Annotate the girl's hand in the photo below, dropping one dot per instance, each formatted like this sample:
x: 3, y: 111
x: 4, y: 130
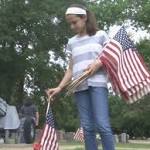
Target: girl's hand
x: 92, y: 68
x: 53, y: 91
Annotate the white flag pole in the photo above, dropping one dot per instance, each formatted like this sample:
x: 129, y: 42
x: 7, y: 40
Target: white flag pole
x: 49, y: 100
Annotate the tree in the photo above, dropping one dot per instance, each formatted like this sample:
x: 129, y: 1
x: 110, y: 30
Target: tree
x: 33, y: 35
x: 29, y: 31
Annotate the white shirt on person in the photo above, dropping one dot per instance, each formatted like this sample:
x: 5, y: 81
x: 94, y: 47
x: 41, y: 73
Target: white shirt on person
x: 84, y: 50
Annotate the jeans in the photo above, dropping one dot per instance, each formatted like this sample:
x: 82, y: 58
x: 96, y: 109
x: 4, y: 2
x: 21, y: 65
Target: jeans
x: 92, y: 106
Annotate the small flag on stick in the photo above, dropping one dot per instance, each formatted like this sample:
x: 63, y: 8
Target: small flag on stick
x: 79, y: 136
x: 48, y: 139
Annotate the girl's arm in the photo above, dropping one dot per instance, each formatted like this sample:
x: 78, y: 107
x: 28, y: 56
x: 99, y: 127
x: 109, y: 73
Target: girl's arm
x: 93, y: 67
x: 67, y: 77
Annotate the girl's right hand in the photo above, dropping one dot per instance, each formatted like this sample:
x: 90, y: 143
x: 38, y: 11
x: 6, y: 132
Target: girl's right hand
x: 53, y: 91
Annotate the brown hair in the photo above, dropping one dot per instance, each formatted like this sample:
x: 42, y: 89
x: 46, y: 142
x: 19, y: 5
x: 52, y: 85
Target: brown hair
x: 91, y: 25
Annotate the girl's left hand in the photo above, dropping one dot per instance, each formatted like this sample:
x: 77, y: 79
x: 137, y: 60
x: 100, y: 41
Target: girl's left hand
x: 92, y: 68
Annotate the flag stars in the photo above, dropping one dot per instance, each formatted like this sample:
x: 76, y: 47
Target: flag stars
x: 49, y: 119
x: 123, y: 39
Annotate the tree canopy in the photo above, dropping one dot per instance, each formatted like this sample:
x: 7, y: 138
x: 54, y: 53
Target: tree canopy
x: 33, y: 36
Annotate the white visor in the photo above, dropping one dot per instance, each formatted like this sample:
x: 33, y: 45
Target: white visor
x: 75, y: 11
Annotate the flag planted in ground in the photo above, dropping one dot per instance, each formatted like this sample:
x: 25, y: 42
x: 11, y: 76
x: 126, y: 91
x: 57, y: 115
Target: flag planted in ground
x: 79, y: 136
x: 48, y: 139
x: 128, y: 73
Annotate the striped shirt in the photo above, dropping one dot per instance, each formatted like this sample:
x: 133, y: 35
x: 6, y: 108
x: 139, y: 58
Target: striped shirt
x: 84, y: 50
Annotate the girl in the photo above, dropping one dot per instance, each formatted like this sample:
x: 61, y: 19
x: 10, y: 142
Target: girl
x: 92, y: 95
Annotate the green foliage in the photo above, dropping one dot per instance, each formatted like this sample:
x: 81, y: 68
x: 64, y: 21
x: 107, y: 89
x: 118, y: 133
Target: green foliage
x: 133, y: 118
x: 33, y: 35
x: 143, y: 47
x: 67, y: 117
x: 141, y: 16
x: 112, y: 12
x: 109, y: 12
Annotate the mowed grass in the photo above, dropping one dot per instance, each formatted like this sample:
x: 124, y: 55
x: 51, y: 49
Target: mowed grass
x: 79, y: 146
x: 63, y: 145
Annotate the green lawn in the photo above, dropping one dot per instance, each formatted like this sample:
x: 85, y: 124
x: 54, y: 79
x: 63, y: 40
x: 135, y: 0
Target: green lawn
x: 79, y: 146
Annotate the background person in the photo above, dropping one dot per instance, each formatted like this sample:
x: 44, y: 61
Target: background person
x: 29, y: 120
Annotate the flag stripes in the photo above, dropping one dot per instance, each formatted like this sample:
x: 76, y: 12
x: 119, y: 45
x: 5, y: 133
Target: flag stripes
x: 48, y: 139
x: 79, y: 135
x: 129, y: 75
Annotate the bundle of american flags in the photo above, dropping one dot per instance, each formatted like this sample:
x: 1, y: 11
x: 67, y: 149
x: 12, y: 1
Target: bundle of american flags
x: 71, y: 86
x: 48, y: 138
x: 128, y: 74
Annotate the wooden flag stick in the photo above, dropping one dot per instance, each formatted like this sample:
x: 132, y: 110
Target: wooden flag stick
x: 49, y: 101
x: 76, y: 82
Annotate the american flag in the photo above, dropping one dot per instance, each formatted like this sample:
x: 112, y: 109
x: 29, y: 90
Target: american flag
x: 48, y: 140
x: 79, y: 136
x: 127, y: 71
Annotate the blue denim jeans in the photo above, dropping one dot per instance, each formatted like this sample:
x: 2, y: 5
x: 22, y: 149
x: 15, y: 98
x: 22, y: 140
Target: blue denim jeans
x: 92, y: 106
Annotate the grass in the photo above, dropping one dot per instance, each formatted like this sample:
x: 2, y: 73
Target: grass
x: 71, y: 145
x: 79, y: 146
x: 131, y: 145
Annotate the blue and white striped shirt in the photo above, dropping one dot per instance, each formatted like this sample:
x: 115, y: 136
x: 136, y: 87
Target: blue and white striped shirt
x: 84, y: 50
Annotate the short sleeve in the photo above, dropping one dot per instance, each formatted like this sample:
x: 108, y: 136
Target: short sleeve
x: 103, y: 37
x: 68, y: 50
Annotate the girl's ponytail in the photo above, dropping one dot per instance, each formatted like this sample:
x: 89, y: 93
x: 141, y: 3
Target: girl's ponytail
x: 91, y: 25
